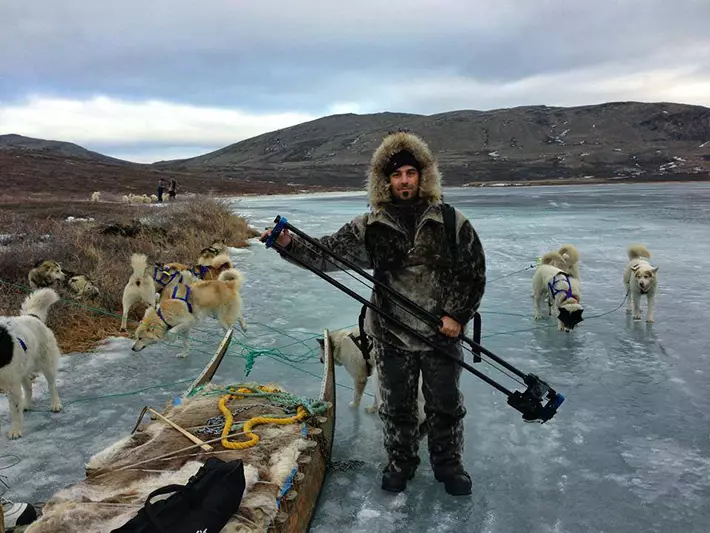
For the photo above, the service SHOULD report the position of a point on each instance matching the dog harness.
(22, 343)
(160, 314)
(175, 296)
(184, 298)
(159, 279)
(554, 291)
(200, 271)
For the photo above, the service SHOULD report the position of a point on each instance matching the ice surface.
(628, 451)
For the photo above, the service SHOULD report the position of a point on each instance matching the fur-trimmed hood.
(378, 183)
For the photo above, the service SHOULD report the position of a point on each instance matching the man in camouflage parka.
(403, 239)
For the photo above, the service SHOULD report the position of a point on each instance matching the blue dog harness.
(175, 296)
(159, 274)
(554, 291)
(200, 271)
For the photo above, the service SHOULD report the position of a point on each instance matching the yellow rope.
(257, 420)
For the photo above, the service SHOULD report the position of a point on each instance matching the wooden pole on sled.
(209, 371)
(205, 377)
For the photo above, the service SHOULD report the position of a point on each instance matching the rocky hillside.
(627, 140)
(615, 140)
(19, 143)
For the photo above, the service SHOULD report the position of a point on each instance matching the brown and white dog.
(209, 253)
(640, 279)
(45, 273)
(82, 287)
(179, 313)
(554, 281)
(208, 269)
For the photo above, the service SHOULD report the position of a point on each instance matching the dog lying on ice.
(554, 282)
(640, 278)
(347, 354)
(26, 346)
(178, 313)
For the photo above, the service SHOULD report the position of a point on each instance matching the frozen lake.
(628, 451)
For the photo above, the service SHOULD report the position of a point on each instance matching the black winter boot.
(396, 481)
(457, 482)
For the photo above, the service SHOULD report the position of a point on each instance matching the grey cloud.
(276, 55)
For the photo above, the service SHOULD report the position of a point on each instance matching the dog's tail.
(554, 259)
(232, 274)
(220, 261)
(637, 251)
(139, 262)
(38, 303)
(570, 254)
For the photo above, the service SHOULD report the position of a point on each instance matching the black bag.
(205, 504)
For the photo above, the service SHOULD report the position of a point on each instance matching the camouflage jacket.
(419, 266)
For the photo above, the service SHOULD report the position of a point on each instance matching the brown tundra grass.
(175, 232)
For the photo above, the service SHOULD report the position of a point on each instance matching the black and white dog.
(27, 345)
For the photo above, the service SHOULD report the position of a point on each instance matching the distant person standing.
(161, 189)
(172, 190)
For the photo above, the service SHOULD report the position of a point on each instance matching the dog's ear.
(635, 268)
(321, 341)
(654, 269)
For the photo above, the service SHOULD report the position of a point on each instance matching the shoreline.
(10, 200)
(470, 185)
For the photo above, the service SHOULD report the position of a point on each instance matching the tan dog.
(149, 284)
(45, 273)
(82, 287)
(213, 250)
(219, 298)
(640, 278)
(552, 281)
(209, 270)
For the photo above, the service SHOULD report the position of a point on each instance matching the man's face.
(404, 183)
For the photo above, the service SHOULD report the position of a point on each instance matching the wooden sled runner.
(284, 467)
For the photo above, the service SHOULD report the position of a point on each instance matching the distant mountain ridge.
(17, 143)
(618, 140)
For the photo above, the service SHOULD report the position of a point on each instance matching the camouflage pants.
(398, 375)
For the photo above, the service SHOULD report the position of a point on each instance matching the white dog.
(554, 282)
(140, 287)
(640, 278)
(27, 345)
(347, 354)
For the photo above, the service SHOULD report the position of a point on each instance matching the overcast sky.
(162, 79)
